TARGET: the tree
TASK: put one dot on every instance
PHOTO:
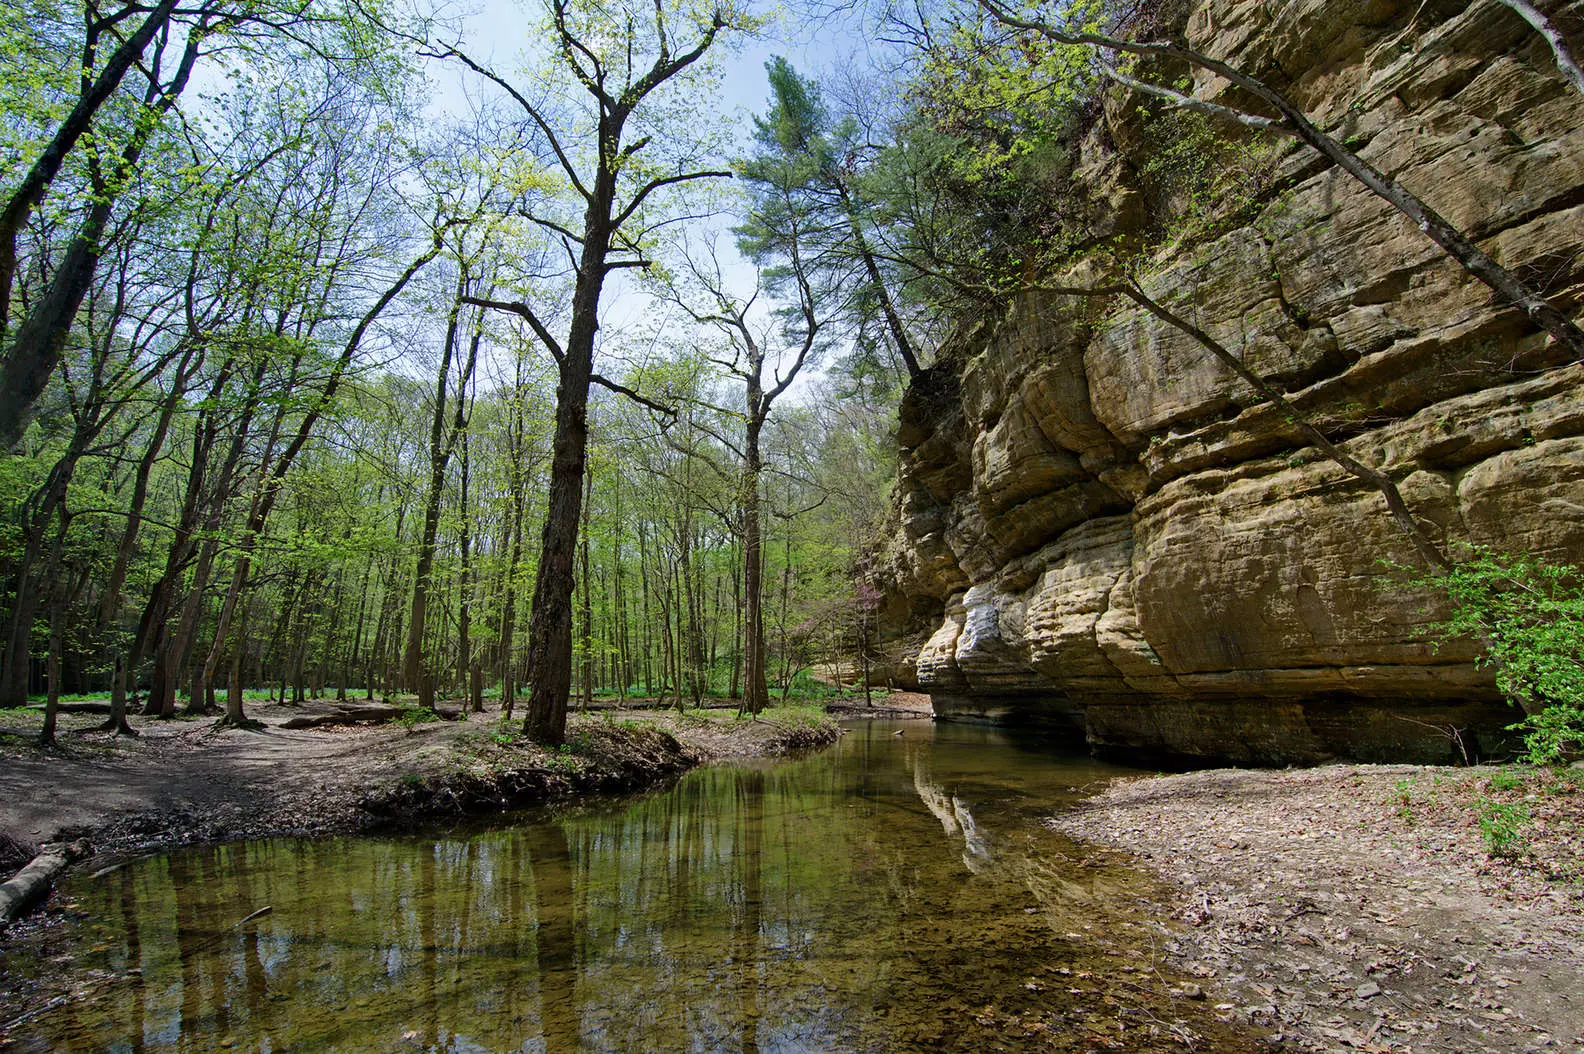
(621, 72)
(163, 43)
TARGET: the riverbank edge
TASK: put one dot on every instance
(1361, 907)
(476, 772)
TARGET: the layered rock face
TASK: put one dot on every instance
(1102, 530)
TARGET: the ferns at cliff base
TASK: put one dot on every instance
(1530, 615)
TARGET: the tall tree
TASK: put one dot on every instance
(621, 60)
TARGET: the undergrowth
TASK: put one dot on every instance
(1529, 615)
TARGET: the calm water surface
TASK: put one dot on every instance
(895, 892)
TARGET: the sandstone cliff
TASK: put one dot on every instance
(1100, 530)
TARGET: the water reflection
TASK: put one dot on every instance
(892, 893)
(955, 817)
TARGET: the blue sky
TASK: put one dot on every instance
(495, 35)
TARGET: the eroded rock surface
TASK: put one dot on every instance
(1102, 530)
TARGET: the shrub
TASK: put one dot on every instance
(1504, 826)
(416, 715)
(1530, 616)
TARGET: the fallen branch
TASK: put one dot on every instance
(29, 886)
(260, 913)
(75, 708)
(347, 715)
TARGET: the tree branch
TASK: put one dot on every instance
(1473, 259)
(1566, 63)
(522, 310)
(1400, 513)
(655, 184)
(622, 389)
(528, 107)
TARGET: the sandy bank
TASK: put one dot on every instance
(1362, 907)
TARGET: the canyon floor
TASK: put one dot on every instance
(1368, 907)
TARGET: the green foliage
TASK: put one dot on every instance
(564, 761)
(1200, 173)
(810, 715)
(1504, 826)
(1530, 616)
(1505, 780)
(413, 716)
(1404, 795)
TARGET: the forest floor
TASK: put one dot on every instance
(183, 781)
(1368, 907)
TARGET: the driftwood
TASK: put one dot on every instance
(31, 885)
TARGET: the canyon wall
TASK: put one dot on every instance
(1100, 530)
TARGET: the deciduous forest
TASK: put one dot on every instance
(410, 412)
(312, 384)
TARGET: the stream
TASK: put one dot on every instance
(894, 892)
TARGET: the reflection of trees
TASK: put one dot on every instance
(726, 914)
(745, 944)
(556, 948)
(134, 952)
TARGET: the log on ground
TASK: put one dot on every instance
(29, 886)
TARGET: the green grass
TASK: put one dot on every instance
(810, 714)
(1505, 780)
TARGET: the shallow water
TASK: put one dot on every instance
(895, 892)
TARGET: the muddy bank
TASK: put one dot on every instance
(1373, 908)
(183, 781)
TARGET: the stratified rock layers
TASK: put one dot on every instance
(1103, 532)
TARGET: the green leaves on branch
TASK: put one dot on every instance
(1530, 616)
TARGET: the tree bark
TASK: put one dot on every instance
(439, 456)
(31, 885)
(52, 700)
(756, 692)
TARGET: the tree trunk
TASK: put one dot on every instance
(550, 620)
(439, 455)
(117, 721)
(31, 885)
(756, 694)
(587, 586)
(52, 699)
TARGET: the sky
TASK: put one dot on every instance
(495, 35)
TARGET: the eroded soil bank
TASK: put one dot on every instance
(1368, 907)
(181, 782)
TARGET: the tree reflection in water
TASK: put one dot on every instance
(804, 905)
